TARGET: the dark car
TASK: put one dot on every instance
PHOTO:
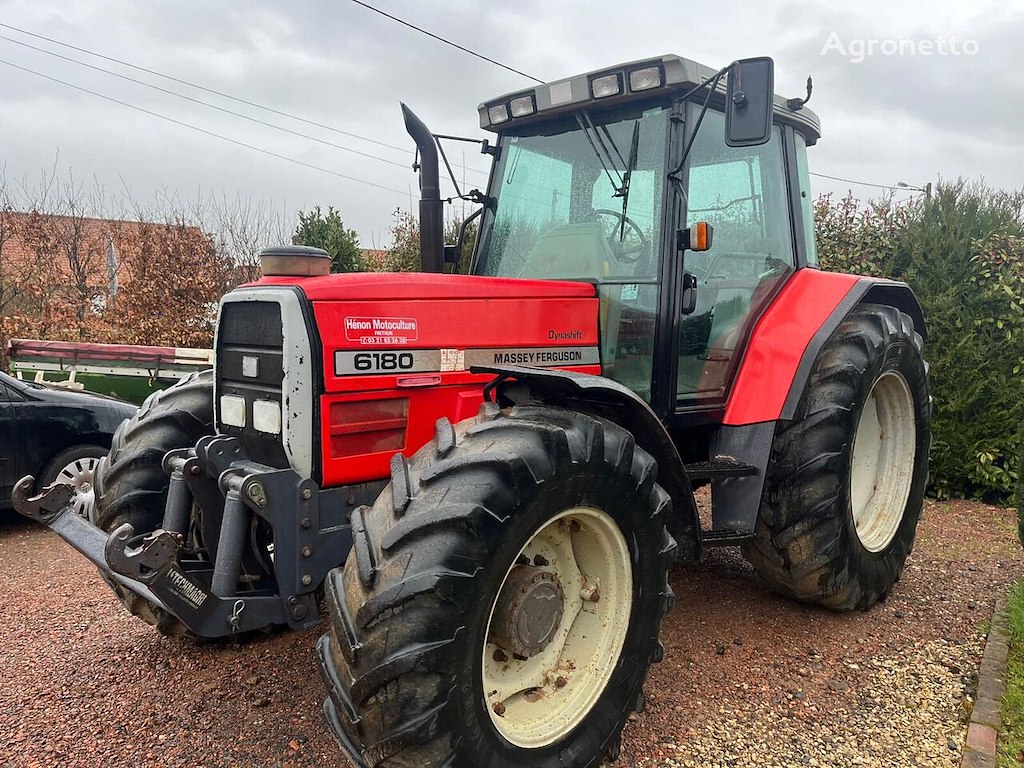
(54, 434)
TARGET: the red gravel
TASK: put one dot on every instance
(785, 660)
(84, 684)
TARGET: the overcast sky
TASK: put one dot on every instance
(949, 106)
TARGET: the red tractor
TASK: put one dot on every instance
(486, 477)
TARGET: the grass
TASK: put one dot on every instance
(1010, 752)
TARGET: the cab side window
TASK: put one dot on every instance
(806, 204)
(741, 192)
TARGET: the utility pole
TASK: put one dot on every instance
(927, 189)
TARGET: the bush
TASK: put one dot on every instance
(963, 255)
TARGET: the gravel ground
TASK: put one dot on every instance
(748, 678)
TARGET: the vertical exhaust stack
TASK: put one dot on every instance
(431, 211)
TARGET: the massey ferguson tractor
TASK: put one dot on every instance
(480, 481)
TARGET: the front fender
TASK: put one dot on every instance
(607, 399)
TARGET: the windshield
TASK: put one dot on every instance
(580, 201)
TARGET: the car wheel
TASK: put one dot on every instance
(76, 467)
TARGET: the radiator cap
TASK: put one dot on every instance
(294, 261)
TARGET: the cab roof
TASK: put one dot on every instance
(678, 76)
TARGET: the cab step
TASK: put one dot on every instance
(719, 469)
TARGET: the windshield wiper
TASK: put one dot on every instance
(620, 181)
(623, 192)
(583, 118)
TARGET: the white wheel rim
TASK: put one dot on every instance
(542, 698)
(884, 450)
(79, 475)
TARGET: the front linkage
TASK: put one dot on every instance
(211, 592)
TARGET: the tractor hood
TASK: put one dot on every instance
(392, 351)
(382, 286)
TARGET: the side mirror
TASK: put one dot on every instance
(749, 102)
(451, 255)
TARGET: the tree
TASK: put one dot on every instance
(74, 269)
(404, 253)
(242, 228)
(329, 233)
(173, 280)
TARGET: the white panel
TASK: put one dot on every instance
(297, 425)
(561, 93)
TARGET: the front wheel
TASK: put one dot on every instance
(131, 485)
(502, 600)
(846, 480)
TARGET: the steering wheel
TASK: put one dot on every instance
(637, 247)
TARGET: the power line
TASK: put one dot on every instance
(202, 130)
(851, 181)
(206, 103)
(447, 42)
(237, 99)
(272, 109)
(538, 80)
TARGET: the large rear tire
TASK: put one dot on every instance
(131, 485)
(846, 479)
(445, 597)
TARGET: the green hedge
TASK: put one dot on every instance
(962, 253)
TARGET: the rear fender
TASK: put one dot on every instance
(607, 399)
(774, 376)
(867, 290)
(791, 333)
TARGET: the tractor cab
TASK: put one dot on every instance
(599, 177)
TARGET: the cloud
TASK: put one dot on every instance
(885, 119)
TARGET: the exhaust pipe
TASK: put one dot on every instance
(431, 210)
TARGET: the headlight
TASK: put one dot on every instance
(522, 106)
(606, 85)
(250, 366)
(266, 417)
(645, 79)
(232, 410)
(497, 114)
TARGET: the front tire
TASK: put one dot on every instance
(131, 482)
(846, 479)
(131, 485)
(493, 513)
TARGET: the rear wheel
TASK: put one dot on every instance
(131, 485)
(846, 480)
(502, 599)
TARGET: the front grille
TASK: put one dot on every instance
(250, 365)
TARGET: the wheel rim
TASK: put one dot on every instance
(534, 701)
(79, 475)
(884, 450)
